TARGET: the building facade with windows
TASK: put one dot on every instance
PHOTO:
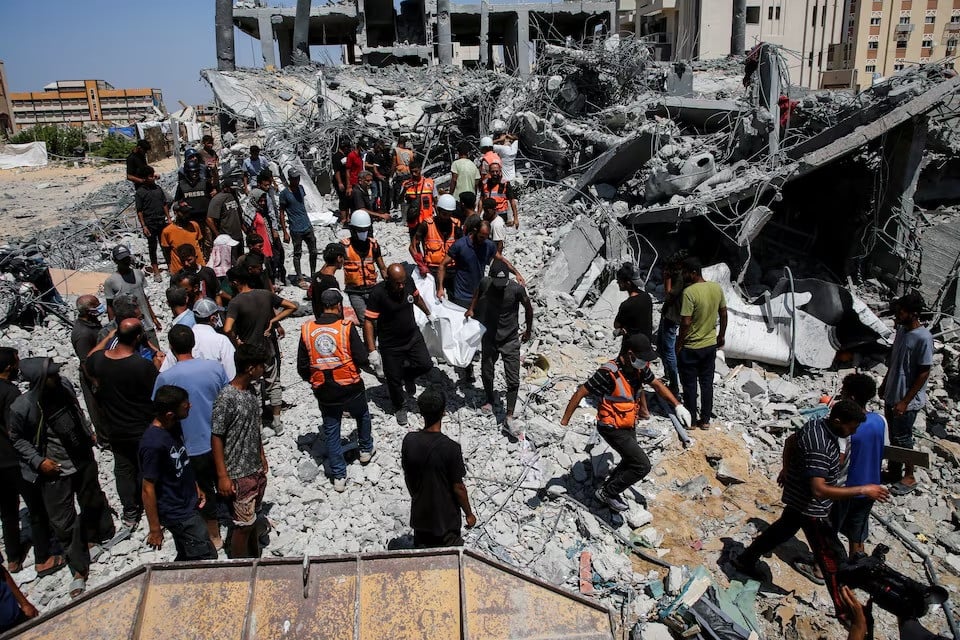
(80, 102)
(881, 37)
(8, 126)
(701, 29)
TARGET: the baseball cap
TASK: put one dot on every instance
(121, 252)
(630, 272)
(293, 174)
(225, 240)
(330, 298)
(500, 274)
(205, 307)
(640, 345)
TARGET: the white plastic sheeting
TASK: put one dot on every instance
(458, 338)
(31, 154)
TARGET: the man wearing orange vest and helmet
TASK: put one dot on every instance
(489, 157)
(503, 193)
(617, 385)
(419, 196)
(330, 356)
(435, 236)
(362, 264)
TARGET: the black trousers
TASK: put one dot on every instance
(126, 471)
(827, 550)
(192, 539)
(206, 474)
(94, 522)
(634, 463)
(402, 365)
(424, 540)
(509, 351)
(13, 488)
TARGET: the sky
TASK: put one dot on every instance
(128, 43)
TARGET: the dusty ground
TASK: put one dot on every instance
(33, 199)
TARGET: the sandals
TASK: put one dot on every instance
(58, 563)
(808, 571)
(77, 586)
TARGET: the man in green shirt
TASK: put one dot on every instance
(698, 341)
(465, 177)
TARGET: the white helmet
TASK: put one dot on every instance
(360, 219)
(447, 202)
(498, 126)
(486, 141)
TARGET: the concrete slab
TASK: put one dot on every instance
(577, 252)
(619, 162)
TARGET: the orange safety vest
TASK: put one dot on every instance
(403, 158)
(498, 193)
(487, 159)
(619, 409)
(359, 271)
(434, 246)
(422, 189)
(329, 347)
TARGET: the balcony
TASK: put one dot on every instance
(952, 26)
(905, 28)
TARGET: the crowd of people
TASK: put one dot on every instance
(185, 421)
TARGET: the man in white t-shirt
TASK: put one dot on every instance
(506, 146)
(498, 228)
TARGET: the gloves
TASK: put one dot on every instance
(421, 264)
(376, 363)
(683, 416)
(434, 321)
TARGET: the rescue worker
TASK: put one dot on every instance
(363, 262)
(488, 158)
(403, 157)
(503, 193)
(434, 237)
(193, 189)
(617, 385)
(330, 356)
(419, 196)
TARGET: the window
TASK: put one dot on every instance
(770, 12)
(873, 45)
(927, 44)
(870, 68)
(874, 22)
(954, 19)
(951, 45)
(930, 20)
(905, 20)
(778, 13)
(898, 66)
(753, 15)
(813, 22)
(901, 44)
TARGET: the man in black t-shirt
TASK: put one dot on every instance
(340, 183)
(170, 491)
(137, 161)
(395, 343)
(333, 256)
(433, 471)
(635, 314)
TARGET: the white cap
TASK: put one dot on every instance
(360, 219)
(486, 141)
(224, 239)
(447, 202)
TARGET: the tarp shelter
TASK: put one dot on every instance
(127, 132)
(31, 154)
(444, 594)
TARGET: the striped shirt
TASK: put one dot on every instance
(817, 456)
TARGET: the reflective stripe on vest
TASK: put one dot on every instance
(619, 409)
(357, 271)
(423, 189)
(329, 347)
(434, 246)
(498, 193)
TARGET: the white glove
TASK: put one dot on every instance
(433, 319)
(683, 416)
(376, 363)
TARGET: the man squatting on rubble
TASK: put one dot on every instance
(617, 386)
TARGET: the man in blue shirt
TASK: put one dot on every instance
(170, 492)
(298, 222)
(470, 256)
(202, 380)
(252, 167)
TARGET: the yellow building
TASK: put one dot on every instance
(79, 102)
(881, 37)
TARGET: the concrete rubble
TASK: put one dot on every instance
(614, 167)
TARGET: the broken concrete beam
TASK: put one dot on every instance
(619, 162)
(704, 115)
(783, 390)
(750, 382)
(577, 253)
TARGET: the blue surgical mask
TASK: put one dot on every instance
(99, 311)
(639, 364)
(362, 235)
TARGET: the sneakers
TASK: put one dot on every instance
(401, 416)
(614, 502)
(367, 456)
(339, 485)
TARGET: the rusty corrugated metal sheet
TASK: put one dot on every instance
(416, 595)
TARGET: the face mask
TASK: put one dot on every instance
(362, 235)
(638, 364)
(99, 311)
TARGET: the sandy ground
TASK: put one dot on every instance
(33, 199)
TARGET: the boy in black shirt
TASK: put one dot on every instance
(153, 212)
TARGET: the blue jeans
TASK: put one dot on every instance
(332, 417)
(696, 369)
(667, 343)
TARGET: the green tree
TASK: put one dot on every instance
(61, 140)
(114, 147)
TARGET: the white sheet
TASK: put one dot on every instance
(459, 338)
(31, 154)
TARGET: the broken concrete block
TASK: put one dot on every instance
(574, 259)
(728, 474)
(307, 471)
(653, 631)
(650, 538)
(750, 382)
(783, 390)
(675, 580)
(638, 517)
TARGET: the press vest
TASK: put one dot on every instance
(435, 248)
(359, 271)
(422, 189)
(498, 193)
(195, 196)
(329, 347)
(619, 409)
